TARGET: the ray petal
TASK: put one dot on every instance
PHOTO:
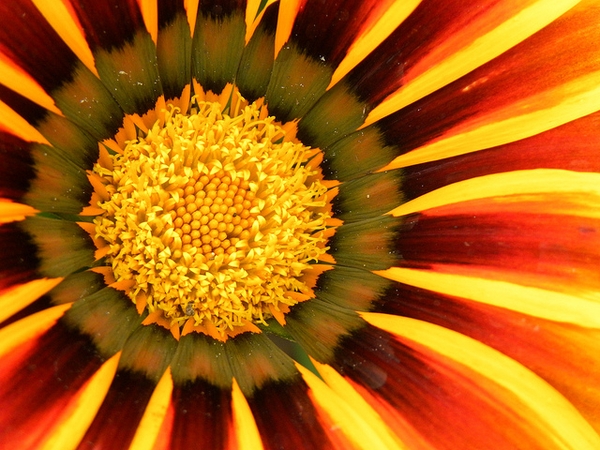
(14, 299)
(78, 417)
(29, 328)
(495, 28)
(13, 212)
(562, 354)
(361, 424)
(289, 420)
(154, 415)
(137, 401)
(199, 409)
(490, 106)
(438, 394)
(376, 29)
(123, 50)
(246, 432)
(545, 150)
(523, 242)
(19, 127)
(173, 32)
(75, 89)
(521, 182)
(62, 246)
(120, 413)
(40, 381)
(62, 18)
(555, 306)
(549, 410)
(19, 262)
(218, 43)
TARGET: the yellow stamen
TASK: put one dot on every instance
(213, 218)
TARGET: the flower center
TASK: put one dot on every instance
(212, 220)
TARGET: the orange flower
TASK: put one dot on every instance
(299, 224)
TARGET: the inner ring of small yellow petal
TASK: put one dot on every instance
(211, 219)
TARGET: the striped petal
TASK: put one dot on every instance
(290, 420)
(563, 354)
(502, 109)
(43, 379)
(460, 145)
(438, 380)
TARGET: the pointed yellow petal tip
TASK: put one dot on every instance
(520, 182)
(12, 212)
(15, 78)
(16, 298)
(156, 411)
(65, 23)
(555, 306)
(392, 16)
(18, 125)
(24, 330)
(246, 431)
(288, 10)
(78, 416)
(471, 49)
(149, 10)
(348, 411)
(253, 16)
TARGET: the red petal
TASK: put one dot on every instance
(545, 150)
(39, 379)
(119, 416)
(109, 24)
(16, 166)
(565, 355)
(533, 248)
(19, 262)
(45, 57)
(286, 417)
(326, 30)
(496, 92)
(201, 412)
(449, 404)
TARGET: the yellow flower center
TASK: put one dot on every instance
(212, 220)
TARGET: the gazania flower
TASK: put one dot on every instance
(299, 224)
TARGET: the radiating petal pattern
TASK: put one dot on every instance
(450, 298)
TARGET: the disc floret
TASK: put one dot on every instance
(212, 220)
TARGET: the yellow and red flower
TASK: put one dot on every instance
(299, 224)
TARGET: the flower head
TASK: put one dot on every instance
(299, 224)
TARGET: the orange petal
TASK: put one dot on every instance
(523, 392)
(16, 298)
(246, 432)
(10, 211)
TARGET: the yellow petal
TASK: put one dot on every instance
(21, 331)
(474, 54)
(11, 212)
(246, 431)
(156, 410)
(555, 306)
(18, 126)
(526, 118)
(21, 82)
(149, 9)
(288, 9)
(71, 429)
(63, 20)
(349, 410)
(543, 406)
(16, 298)
(528, 182)
(364, 44)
